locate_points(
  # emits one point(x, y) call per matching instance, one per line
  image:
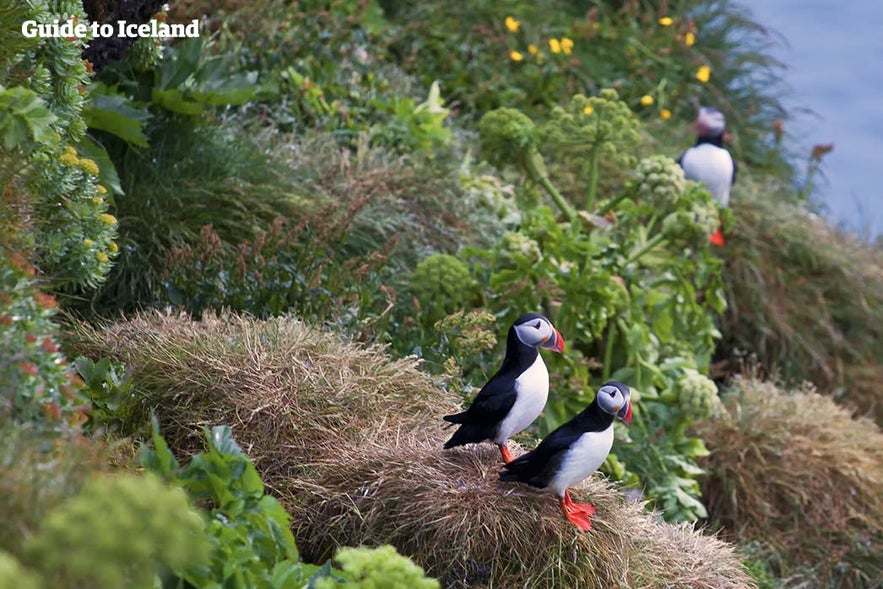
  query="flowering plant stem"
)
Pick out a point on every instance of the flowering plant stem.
point(648, 245)
point(532, 160)
point(593, 180)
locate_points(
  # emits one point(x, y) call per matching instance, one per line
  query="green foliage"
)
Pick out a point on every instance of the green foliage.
point(634, 292)
point(188, 178)
point(284, 269)
point(442, 285)
point(42, 90)
point(24, 117)
point(36, 384)
point(591, 130)
point(660, 182)
point(116, 533)
point(109, 389)
point(13, 574)
point(250, 542)
point(507, 136)
point(373, 568)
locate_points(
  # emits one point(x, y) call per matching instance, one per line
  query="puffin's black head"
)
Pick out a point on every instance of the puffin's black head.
point(533, 329)
point(710, 122)
point(615, 398)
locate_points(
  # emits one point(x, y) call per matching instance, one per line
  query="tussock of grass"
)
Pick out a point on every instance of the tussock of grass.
point(805, 300)
point(448, 510)
point(284, 388)
point(350, 440)
point(793, 472)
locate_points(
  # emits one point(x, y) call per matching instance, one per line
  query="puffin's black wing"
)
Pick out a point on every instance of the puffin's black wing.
point(490, 407)
point(538, 466)
point(735, 168)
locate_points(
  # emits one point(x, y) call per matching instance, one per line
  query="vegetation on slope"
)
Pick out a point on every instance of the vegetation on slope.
point(406, 179)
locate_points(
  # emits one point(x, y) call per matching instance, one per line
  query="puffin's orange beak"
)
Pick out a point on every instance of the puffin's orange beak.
point(555, 342)
point(625, 413)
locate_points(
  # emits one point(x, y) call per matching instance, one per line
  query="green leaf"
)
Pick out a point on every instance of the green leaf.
point(23, 114)
point(159, 459)
point(115, 114)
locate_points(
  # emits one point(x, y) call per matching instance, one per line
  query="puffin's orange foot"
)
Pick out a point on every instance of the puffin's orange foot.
point(507, 456)
point(577, 517)
point(717, 238)
point(586, 508)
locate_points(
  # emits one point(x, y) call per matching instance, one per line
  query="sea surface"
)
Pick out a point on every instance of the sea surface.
point(834, 56)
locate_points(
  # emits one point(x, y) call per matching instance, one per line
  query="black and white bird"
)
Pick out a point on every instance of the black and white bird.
point(709, 161)
point(514, 397)
point(574, 451)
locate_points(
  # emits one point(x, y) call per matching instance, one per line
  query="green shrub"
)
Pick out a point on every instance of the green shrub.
point(247, 536)
point(13, 574)
point(71, 233)
point(37, 386)
point(375, 567)
point(117, 532)
point(442, 285)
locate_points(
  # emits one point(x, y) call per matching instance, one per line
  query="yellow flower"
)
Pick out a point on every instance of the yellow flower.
point(666, 21)
point(588, 109)
point(646, 100)
point(88, 166)
point(703, 74)
point(88, 242)
point(68, 159)
point(665, 114)
point(566, 45)
point(97, 200)
point(512, 24)
point(113, 247)
point(102, 257)
point(107, 219)
point(689, 39)
point(101, 189)
point(555, 45)
point(532, 49)
point(515, 56)
point(70, 150)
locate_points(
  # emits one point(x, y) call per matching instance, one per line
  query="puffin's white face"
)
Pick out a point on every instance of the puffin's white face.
point(615, 398)
point(537, 331)
point(710, 121)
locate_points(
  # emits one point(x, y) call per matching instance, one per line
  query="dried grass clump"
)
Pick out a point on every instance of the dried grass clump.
point(804, 299)
point(794, 473)
point(288, 391)
point(350, 440)
point(449, 511)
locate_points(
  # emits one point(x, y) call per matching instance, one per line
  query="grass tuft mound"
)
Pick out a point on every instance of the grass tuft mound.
point(805, 299)
point(287, 390)
point(795, 476)
point(350, 440)
point(448, 510)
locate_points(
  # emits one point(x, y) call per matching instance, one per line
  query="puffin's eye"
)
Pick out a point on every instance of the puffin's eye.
point(537, 325)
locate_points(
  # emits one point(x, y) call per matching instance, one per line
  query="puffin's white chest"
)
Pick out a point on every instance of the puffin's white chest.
point(532, 390)
point(582, 459)
point(711, 165)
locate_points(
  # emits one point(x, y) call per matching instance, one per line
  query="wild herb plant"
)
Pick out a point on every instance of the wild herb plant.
point(630, 281)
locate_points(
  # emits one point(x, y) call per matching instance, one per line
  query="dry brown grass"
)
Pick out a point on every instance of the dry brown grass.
point(795, 473)
point(350, 440)
point(804, 299)
point(448, 510)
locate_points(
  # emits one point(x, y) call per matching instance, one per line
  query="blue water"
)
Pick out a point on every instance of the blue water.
point(834, 55)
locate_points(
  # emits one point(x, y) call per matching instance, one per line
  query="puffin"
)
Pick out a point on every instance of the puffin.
point(709, 161)
point(574, 451)
point(514, 397)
